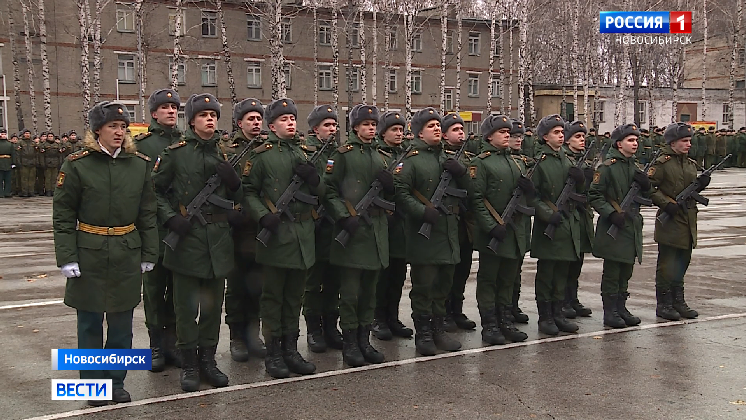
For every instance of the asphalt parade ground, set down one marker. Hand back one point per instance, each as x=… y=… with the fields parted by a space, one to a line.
x=658 y=370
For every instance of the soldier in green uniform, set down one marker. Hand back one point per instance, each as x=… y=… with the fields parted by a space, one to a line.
x=7 y=154
x=701 y=142
x=16 y=166
x=321 y=298
x=515 y=143
x=591 y=138
x=731 y=148
x=28 y=164
x=611 y=182
x=453 y=137
x=432 y=260
x=574 y=148
x=606 y=140
x=710 y=140
x=158 y=289
x=495 y=174
x=555 y=255
x=105 y=235
x=472 y=142
x=671 y=173
x=244 y=285
x=741 y=136
x=350 y=171
x=721 y=144
x=391 y=281
x=204 y=255
x=529 y=143
x=50 y=154
x=290 y=251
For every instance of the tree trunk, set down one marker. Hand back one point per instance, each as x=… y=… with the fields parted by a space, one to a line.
x=348 y=34
x=443 y=50
x=575 y=54
x=30 y=67
x=44 y=65
x=363 y=61
x=277 y=61
x=491 y=66
x=16 y=69
x=100 y=4
x=387 y=60
x=586 y=75
x=374 y=67
x=408 y=27
x=704 y=61
x=83 y=19
x=177 y=47
x=531 y=103
x=522 y=44
x=459 y=45
x=227 y=54
x=509 y=88
x=142 y=77
x=734 y=55
x=314 y=9
x=501 y=89
x=335 y=55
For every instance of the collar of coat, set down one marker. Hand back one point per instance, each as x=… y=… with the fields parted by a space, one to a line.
x=386 y=148
x=128 y=146
x=420 y=145
x=616 y=154
x=488 y=147
x=162 y=130
x=190 y=135
x=239 y=138
x=272 y=138
x=355 y=140
x=549 y=151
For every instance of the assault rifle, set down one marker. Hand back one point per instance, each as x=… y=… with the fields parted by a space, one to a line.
x=633 y=197
x=512 y=207
x=193 y=209
x=292 y=193
x=372 y=198
x=568 y=194
x=436 y=201
x=692 y=191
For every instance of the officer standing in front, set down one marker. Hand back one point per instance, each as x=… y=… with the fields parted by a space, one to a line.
x=203 y=256
x=7 y=155
x=97 y=218
x=28 y=164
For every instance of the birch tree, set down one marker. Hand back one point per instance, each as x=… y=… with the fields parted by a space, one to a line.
x=522 y=45
x=733 y=56
x=335 y=55
x=97 y=41
x=575 y=54
x=443 y=51
x=142 y=77
x=277 y=62
x=226 y=52
x=459 y=47
x=177 y=46
x=363 y=61
x=44 y=65
x=491 y=66
x=408 y=35
x=83 y=19
x=16 y=69
x=314 y=11
x=374 y=58
x=29 y=65
x=704 y=61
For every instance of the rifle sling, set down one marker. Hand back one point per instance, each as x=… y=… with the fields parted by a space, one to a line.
x=422 y=198
x=614 y=204
x=493 y=212
x=270 y=205
x=551 y=205
x=350 y=208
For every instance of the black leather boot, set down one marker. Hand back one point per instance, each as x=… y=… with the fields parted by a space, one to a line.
x=679 y=304
x=381 y=326
x=294 y=361
x=423 y=337
x=611 y=314
x=239 y=352
x=461 y=320
x=189 y=377
x=490 y=333
x=370 y=354
x=397 y=327
x=562 y=323
x=518 y=315
x=156 y=338
x=621 y=306
x=208 y=368
x=442 y=339
x=546 y=320
x=506 y=326
x=448 y=324
x=254 y=342
x=567 y=309
x=351 y=353
x=664 y=308
x=273 y=362
x=314 y=334
x=170 y=351
x=578 y=307
x=332 y=336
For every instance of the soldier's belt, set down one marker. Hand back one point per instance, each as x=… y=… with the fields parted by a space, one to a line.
x=106 y=231
x=4 y=156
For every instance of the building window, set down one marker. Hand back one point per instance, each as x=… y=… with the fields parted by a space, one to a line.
x=126 y=67
x=496 y=53
x=253 y=24
x=255 y=74
x=209 y=73
x=125 y=18
x=325 y=77
x=473 y=85
x=600 y=111
x=726 y=114
x=448 y=99
x=474 y=43
x=642 y=107
x=287 y=69
x=181 y=119
x=685 y=117
x=391 y=38
x=2 y=115
x=416 y=81
x=449 y=42
x=495 y=84
x=740 y=84
x=417 y=42
x=209 y=24
x=473 y=127
x=353 y=79
x=354 y=41
x=131 y=111
x=180 y=71
x=172 y=23
x=325 y=33
x=741 y=57
x=392 y=81
x=286 y=31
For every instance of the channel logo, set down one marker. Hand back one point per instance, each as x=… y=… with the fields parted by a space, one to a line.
x=645 y=22
x=82 y=389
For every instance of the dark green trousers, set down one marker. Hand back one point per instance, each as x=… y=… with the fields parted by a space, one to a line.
x=495 y=280
x=6 y=188
x=50 y=180
x=615 y=277
x=551 y=280
x=517 y=282
x=158 y=297
x=573 y=272
x=322 y=289
x=243 y=291
x=357 y=296
x=672 y=266
x=118 y=336
x=461 y=272
x=282 y=294
x=39 y=181
x=195 y=297
x=431 y=285
x=390 y=283
x=28 y=180
x=16 y=181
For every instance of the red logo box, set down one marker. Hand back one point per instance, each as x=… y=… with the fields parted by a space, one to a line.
x=680 y=22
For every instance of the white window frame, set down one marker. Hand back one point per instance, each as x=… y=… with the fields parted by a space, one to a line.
x=181 y=121
x=417 y=42
x=390 y=38
x=495 y=83
x=392 y=76
x=642 y=107
x=256 y=27
x=355 y=74
x=726 y=113
x=181 y=71
x=600 y=111
x=325 y=33
x=126 y=64
x=286 y=31
x=474 y=43
x=450 y=36
x=209 y=66
x=172 y=22
x=211 y=19
x=416 y=82
x=472 y=85
x=125 y=18
x=323 y=73
x=254 y=74
x=355 y=35
x=448 y=98
x=288 y=70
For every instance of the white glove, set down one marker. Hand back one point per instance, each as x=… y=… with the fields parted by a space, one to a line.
x=71 y=270
x=12 y=166
x=146 y=266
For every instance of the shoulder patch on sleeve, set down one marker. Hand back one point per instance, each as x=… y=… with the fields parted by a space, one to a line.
x=78 y=155
x=157 y=164
x=142 y=156
x=473 y=171
x=413 y=153
x=398 y=168
x=263 y=148
x=651 y=171
x=596 y=177
x=345 y=148
x=484 y=155
x=60 y=179
x=177 y=145
x=247 y=168
x=143 y=136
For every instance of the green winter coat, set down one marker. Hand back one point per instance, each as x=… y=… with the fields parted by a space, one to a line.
x=421 y=172
x=701 y=144
x=494 y=176
x=611 y=182
x=270 y=174
x=397 y=236
x=7 y=155
x=710 y=141
x=28 y=153
x=670 y=174
x=466 y=219
x=529 y=145
x=206 y=251
x=350 y=171
x=325 y=229
x=549 y=179
x=95 y=189
x=50 y=155
x=584 y=211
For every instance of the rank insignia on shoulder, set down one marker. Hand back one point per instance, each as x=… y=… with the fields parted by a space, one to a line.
x=308 y=148
x=142 y=156
x=263 y=148
x=484 y=155
x=143 y=136
x=651 y=171
x=399 y=167
x=177 y=145
x=329 y=166
x=345 y=148
x=596 y=177
x=78 y=155
x=60 y=179
x=413 y=153
x=157 y=164
x=473 y=171
x=247 y=168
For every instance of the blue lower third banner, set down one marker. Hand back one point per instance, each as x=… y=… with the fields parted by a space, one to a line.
x=82 y=389
x=98 y=359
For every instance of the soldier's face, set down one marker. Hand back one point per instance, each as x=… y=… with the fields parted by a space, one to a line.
x=393 y=135
x=251 y=124
x=166 y=114
x=73 y=137
x=500 y=138
x=326 y=129
x=516 y=141
x=14 y=139
x=682 y=145
x=111 y=135
x=577 y=142
x=555 y=138
x=3 y=136
x=26 y=136
x=455 y=134
x=431 y=133
x=284 y=126
x=366 y=130
x=50 y=138
x=205 y=123
x=628 y=146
